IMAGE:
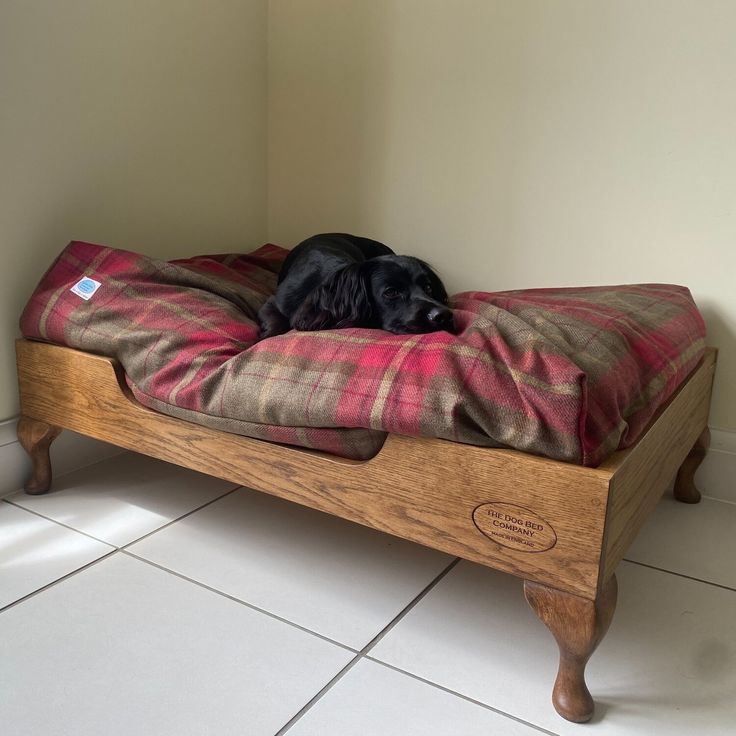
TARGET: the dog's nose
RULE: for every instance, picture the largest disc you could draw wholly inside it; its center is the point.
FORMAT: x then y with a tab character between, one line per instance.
441	318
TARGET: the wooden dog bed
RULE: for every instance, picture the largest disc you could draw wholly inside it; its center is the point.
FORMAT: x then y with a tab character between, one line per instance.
562	528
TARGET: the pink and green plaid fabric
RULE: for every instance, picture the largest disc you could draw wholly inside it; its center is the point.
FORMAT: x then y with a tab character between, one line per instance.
572	374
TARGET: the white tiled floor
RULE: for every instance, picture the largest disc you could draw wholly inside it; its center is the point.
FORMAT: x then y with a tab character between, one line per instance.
141	599
125	498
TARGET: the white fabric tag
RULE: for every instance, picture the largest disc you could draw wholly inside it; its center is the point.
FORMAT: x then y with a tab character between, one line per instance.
86	287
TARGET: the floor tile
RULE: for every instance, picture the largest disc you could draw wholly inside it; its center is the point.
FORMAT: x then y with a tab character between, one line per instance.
339	579
120	499
34	552
667	665
71	451
124	648
373	700
696	540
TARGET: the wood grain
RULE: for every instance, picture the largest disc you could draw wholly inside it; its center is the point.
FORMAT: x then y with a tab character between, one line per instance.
578	626
36	437
422	489
641	474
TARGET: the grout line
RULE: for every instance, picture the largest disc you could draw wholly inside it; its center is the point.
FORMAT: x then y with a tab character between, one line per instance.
113	549
110	544
60	523
367	648
459	695
363	652
58	580
722	500
179	518
241	601
680	575
308	705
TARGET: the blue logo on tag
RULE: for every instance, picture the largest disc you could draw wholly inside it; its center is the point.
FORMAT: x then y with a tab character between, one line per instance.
86	287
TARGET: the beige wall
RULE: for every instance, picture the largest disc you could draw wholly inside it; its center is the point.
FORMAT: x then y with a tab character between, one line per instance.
517	143
136	123
514	144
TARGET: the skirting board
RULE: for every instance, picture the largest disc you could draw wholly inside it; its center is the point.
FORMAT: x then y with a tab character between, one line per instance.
69	452
716	477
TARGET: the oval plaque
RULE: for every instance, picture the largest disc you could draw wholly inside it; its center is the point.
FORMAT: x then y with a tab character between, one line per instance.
514	527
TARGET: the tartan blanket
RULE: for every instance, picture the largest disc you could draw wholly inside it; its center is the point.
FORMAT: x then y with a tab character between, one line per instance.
572	374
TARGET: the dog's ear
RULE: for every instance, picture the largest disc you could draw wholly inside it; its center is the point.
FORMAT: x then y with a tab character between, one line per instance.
343	300
439	293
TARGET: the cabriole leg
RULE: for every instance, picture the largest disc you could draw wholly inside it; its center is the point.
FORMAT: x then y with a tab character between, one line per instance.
36	438
685	489
578	625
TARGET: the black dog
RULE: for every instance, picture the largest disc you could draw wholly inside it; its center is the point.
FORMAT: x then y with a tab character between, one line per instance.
337	280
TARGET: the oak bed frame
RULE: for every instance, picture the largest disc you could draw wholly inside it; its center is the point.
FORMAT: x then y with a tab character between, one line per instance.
562	528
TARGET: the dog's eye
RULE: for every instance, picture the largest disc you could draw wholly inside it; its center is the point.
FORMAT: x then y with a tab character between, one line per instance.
391	293
427	289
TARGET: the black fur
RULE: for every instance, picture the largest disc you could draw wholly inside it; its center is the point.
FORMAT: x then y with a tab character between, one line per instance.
337	280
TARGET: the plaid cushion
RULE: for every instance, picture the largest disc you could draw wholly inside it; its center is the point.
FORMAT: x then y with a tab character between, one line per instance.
571	374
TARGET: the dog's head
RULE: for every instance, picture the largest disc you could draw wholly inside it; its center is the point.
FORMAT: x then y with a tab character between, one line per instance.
400	294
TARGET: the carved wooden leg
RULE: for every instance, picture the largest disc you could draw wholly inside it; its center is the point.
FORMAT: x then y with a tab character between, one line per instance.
578	626
685	489
36	438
